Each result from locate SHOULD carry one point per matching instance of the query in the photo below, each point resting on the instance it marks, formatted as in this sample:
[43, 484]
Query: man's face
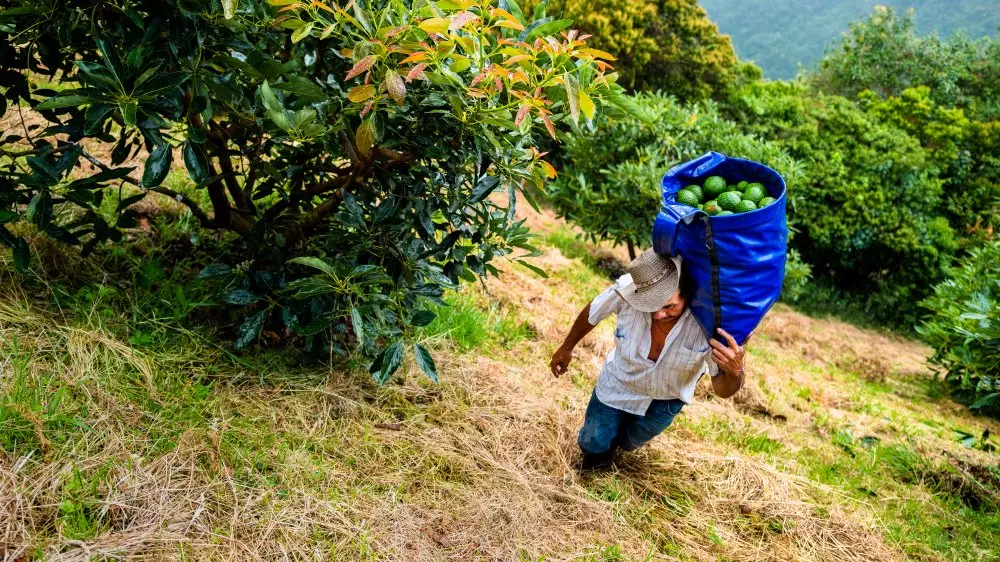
[672, 310]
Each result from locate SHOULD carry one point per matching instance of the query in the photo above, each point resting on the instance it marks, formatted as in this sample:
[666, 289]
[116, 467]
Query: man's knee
[600, 427]
[642, 430]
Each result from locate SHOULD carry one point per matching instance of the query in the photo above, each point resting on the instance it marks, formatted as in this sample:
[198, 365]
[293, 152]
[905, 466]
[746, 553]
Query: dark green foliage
[963, 326]
[610, 185]
[884, 53]
[869, 204]
[356, 162]
[667, 45]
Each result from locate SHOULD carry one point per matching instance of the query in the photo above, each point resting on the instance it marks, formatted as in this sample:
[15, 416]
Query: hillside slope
[123, 434]
[781, 34]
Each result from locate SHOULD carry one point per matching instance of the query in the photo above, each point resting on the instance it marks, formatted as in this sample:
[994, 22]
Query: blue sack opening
[737, 261]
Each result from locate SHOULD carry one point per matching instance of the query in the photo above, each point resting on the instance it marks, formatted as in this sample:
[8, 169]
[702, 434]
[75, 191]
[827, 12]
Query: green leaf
[358, 325]
[250, 329]
[22, 255]
[271, 101]
[95, 116]
[538, 271]
[425, 361]
[430, 26]
[423, 318]
[112, 61]
[240, 297]
[364, 137]
[281, 119]
[70, 100]
[229, 8]
[195, 161]
[387, 362]
[161, 83]
[129, 110]
[302, 32]
[543, 27]
[157, 166]
[99, 74]
[587, 105]
[483, 189]
[129, 201]
[101, 177]
[514, 9]
[37, 208]
[215, 270]
[7, 216]
[232, 62]
[569, 82]
[315, 263]
[303, 87]
[540, 9]
[989, 399]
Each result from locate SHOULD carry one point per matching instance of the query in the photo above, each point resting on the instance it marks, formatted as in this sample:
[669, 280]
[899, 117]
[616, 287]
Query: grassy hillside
[125, 434]
[779, 35]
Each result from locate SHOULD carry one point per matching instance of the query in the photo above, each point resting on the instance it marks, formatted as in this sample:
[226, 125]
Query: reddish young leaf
[415, 72]
[461, 19]
[395, 86]
[522, 113]
[548, 123]
[361, 66]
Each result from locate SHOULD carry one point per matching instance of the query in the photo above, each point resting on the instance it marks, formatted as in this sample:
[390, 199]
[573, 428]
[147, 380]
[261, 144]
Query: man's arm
[563, 355]
[730, 362]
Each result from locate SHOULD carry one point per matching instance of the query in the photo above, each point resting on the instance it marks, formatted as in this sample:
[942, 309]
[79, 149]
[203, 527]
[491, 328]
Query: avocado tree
[361, 158]
[610, 182]
[668, 45]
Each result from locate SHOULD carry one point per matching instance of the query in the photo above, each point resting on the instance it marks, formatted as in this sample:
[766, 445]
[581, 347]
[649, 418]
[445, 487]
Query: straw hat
[655, 279]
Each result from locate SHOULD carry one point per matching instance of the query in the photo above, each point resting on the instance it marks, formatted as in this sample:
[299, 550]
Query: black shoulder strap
[714, 257]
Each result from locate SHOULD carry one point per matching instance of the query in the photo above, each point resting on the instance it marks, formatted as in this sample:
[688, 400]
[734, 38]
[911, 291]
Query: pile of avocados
[718, 199]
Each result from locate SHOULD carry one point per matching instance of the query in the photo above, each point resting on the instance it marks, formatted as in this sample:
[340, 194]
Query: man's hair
[686, 284]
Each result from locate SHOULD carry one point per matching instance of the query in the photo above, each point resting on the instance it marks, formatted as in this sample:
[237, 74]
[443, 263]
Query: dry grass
[183, 453]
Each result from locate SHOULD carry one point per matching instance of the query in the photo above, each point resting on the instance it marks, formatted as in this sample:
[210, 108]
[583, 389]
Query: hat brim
[653, 297]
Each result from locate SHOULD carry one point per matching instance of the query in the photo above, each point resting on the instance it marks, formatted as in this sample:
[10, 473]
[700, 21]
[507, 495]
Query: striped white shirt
[629, 380]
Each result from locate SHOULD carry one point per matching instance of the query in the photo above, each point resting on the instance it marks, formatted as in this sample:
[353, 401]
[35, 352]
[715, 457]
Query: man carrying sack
[660, 354]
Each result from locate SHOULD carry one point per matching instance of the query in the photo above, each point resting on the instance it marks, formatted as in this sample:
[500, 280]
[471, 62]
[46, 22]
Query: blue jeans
[605, 427]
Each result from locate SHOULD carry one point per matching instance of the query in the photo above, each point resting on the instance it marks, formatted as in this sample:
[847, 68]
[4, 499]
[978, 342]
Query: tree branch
[180, 198]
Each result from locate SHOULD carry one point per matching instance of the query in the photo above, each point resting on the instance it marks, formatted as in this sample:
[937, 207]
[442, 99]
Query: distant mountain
[781, 34]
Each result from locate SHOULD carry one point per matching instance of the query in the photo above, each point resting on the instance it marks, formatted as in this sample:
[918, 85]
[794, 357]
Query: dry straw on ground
[478, 467]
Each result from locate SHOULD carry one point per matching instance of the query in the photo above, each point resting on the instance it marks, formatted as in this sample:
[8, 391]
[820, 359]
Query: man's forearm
[581, 327]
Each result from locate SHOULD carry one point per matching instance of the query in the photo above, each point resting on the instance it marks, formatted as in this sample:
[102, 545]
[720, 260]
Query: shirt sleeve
[604, 304]
[713, 369]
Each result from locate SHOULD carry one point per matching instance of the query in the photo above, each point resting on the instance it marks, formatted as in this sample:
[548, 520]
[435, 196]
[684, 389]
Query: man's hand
[560, 360]
[728, 358]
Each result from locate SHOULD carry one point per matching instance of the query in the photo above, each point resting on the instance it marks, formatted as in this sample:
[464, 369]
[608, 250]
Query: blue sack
[737, 261]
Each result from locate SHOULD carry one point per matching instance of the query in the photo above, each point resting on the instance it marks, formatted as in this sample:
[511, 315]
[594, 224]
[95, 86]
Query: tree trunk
[631, 249]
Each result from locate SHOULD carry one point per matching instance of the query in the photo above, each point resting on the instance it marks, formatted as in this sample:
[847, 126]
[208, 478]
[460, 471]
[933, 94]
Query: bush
[357, 161]
[966, 152]
[869, 207]
[610, 185]
[668, 45]
[884, 54]
[964, 328]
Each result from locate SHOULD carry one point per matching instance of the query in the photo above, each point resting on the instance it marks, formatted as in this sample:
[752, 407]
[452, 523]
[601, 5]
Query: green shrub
[964, 327]
[668, 45]
[869, 207]
[798, 274]
[610, 183]
[349, 156]
[883, 53]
